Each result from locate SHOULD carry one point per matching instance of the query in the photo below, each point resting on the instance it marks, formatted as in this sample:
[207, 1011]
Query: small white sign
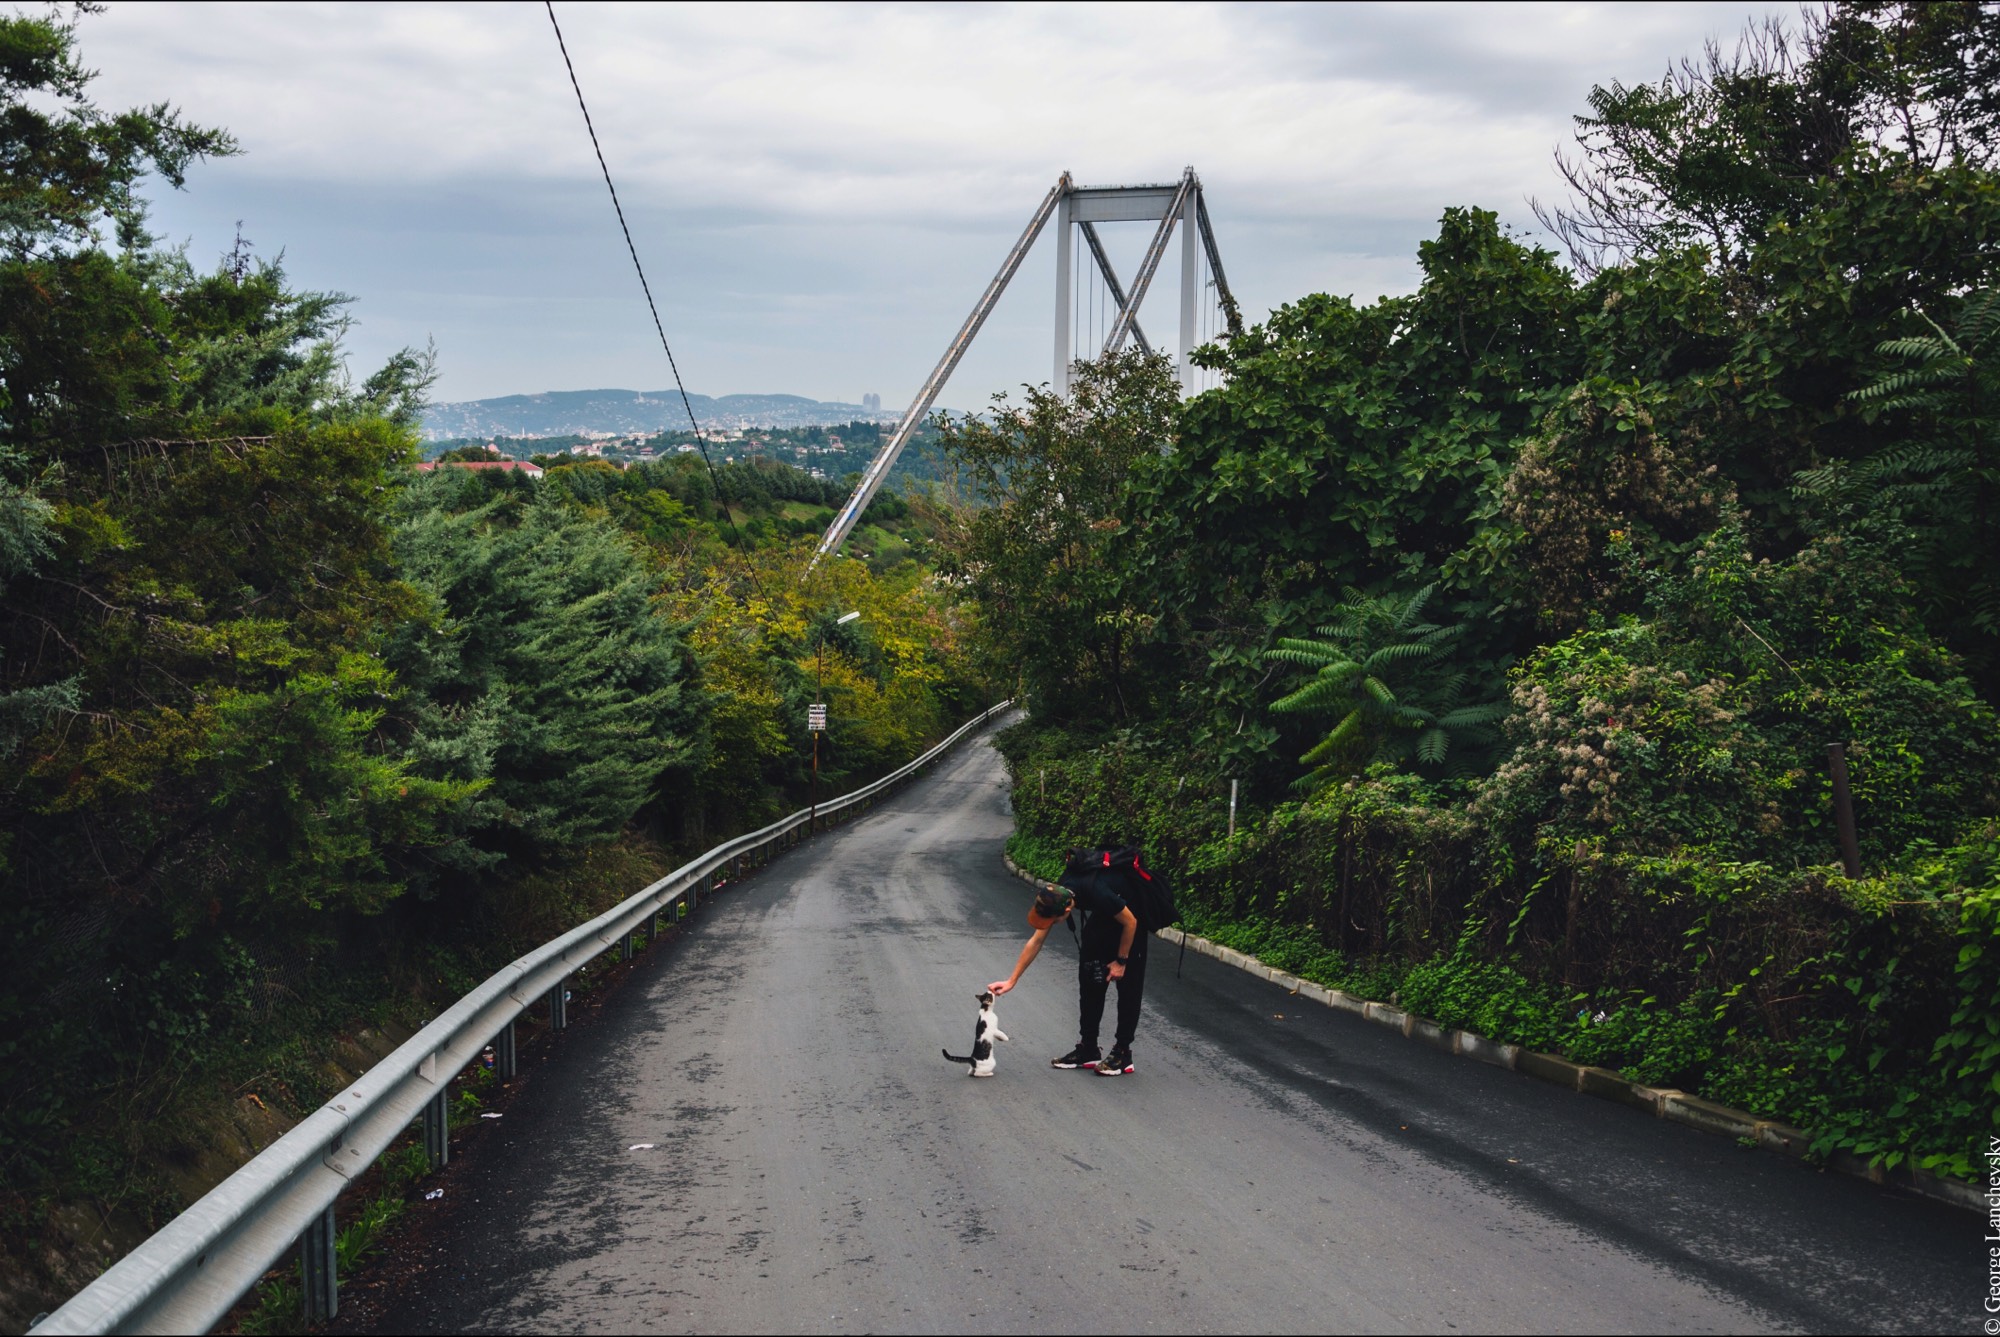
[816, 718]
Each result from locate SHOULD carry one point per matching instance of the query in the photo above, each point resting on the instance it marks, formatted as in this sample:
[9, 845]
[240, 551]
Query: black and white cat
[985, 1032]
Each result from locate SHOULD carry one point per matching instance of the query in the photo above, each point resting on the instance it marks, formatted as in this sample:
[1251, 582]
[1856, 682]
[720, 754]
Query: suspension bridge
[1090, 303]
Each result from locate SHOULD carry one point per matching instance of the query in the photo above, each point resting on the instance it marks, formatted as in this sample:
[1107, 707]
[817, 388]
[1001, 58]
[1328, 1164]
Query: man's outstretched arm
[1028, 954]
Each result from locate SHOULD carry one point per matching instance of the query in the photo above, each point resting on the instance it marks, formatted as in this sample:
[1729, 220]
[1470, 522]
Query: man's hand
[999, 987]
[1117, 971]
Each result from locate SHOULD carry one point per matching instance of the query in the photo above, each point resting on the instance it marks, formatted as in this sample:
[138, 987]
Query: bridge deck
[819, 1168]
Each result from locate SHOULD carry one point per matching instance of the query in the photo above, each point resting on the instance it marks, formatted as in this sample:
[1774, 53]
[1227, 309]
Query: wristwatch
[1120, 961]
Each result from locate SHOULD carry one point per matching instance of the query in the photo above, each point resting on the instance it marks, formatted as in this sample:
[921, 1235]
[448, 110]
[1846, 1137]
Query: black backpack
[1142, 888]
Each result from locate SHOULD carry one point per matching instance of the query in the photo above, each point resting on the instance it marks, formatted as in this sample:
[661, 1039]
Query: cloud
[821, 191]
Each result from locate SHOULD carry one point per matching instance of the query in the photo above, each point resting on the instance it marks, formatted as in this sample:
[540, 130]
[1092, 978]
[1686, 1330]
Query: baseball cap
[1051, 904]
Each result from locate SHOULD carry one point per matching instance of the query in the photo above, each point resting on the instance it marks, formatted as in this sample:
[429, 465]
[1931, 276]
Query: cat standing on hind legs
[985, 1033]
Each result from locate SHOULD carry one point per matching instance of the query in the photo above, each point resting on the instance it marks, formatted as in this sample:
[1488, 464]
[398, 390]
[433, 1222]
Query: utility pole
[816, 722]
[816, 713]
[1843, 809]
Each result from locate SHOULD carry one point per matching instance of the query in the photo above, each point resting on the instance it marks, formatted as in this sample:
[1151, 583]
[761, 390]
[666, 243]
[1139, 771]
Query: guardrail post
[319, 1281]
[437, 1130]
[505, 1057]
[625, 948]
[559, 1005]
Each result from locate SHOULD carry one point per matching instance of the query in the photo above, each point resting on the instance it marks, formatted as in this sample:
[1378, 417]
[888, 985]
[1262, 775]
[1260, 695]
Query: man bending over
[1113, 947]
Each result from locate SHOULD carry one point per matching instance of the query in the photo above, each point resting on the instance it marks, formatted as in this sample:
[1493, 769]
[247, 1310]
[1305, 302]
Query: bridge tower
[1078, 210]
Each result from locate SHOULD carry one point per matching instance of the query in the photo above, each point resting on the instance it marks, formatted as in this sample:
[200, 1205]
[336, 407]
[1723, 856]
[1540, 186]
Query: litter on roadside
[640, 1146]
[434, 1195]
[490, 1114]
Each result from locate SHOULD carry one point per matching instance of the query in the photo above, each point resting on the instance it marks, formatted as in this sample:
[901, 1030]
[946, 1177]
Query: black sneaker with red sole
[1078, 1057]
[1118, 1063]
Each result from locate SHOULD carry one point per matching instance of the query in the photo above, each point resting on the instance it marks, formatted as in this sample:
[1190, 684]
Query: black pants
[1091, 987]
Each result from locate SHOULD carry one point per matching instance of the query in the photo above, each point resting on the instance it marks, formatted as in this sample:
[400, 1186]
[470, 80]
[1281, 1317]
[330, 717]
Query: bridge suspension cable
[701, 438]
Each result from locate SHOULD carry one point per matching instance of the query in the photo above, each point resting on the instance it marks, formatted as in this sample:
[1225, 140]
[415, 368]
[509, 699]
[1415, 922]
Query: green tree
[1386, 674]
[1349, 446]
[545, 669]
[1723, 148]
[1937, 485]
[66, 166]
[1055, 470]
[195, 576]
[24, 542]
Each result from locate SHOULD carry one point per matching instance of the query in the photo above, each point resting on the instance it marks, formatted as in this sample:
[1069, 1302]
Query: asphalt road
[1273, 1166]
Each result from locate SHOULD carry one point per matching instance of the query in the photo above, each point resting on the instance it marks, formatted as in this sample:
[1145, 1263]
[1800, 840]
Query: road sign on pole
[816, 718]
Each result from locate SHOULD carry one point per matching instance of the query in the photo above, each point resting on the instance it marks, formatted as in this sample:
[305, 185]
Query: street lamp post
[816, 717]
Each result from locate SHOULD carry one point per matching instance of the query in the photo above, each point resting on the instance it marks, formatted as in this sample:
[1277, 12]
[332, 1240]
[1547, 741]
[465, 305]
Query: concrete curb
[1674, 1106]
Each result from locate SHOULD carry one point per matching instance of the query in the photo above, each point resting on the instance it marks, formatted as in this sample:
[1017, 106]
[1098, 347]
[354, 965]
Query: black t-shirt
[1100, 901]
[1099, 897]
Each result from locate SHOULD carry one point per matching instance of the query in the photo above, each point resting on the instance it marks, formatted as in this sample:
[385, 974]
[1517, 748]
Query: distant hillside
[572, 412]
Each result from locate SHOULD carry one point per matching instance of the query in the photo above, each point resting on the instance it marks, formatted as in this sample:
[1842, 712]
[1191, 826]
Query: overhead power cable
[700, 438]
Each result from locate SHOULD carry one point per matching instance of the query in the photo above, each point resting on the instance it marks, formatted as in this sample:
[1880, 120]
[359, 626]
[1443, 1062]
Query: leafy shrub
[1705, 725]
[1035, 855]
[1467, 990]
[1602, 477]
[1823, 646]
[363, 1235]
[1657, 1044]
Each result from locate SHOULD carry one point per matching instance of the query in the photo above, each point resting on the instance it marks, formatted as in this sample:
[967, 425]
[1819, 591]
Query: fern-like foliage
[1383, 672]
[1936, 483]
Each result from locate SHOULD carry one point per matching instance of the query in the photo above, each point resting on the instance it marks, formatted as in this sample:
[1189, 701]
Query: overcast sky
[820, 193]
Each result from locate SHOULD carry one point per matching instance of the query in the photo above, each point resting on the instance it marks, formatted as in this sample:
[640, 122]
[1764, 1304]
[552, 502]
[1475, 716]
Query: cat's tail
[955, 1058]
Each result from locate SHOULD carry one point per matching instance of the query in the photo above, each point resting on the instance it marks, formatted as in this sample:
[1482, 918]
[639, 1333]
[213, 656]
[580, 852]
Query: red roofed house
[532, 470]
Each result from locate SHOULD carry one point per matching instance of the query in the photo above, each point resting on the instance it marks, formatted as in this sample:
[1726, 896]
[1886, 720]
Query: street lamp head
[846, 617]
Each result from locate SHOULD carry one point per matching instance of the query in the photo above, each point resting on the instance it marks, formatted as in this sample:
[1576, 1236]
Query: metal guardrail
[190, 1273]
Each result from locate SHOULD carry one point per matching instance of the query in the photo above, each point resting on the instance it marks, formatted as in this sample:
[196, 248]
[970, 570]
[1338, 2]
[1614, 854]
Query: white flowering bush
[1614, 747]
